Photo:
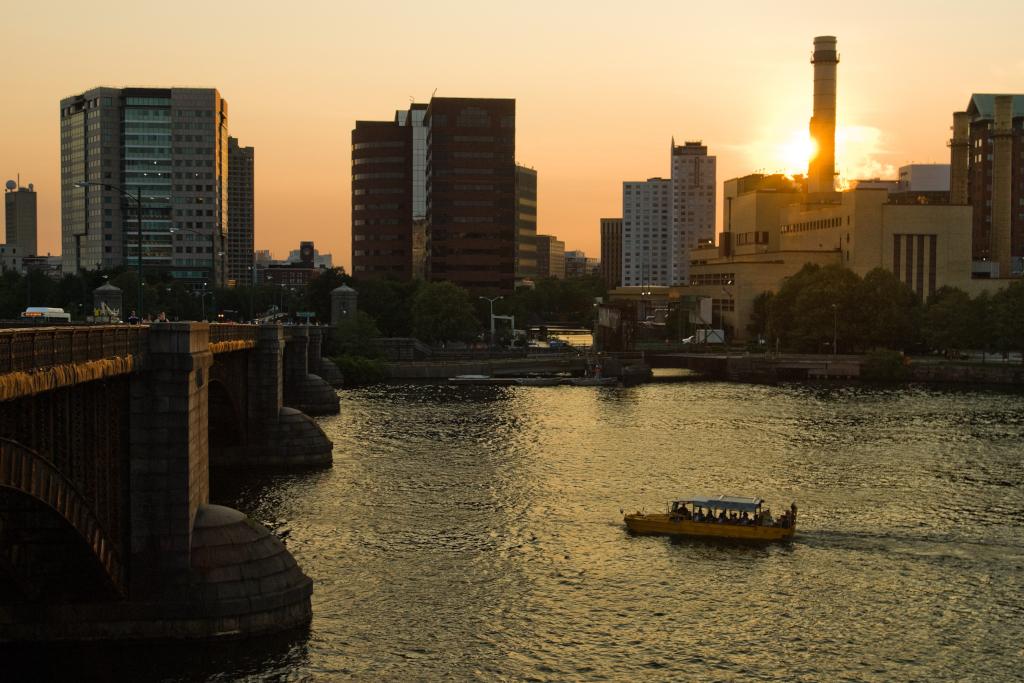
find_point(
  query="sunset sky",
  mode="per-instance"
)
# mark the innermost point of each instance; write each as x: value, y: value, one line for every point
x: 601, y: 88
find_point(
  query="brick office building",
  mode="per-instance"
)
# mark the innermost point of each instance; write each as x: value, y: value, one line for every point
x: 471, y: 192
x: 434, y: 194
x: 388, y: 194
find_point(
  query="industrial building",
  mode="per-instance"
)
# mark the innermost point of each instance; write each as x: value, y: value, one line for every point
x: 987, y: 172
x: 773, y: 225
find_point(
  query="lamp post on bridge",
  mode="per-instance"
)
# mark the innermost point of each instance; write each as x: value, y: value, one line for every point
x: 203, y: 296
x: 138, y: 205
x: 835, y: 330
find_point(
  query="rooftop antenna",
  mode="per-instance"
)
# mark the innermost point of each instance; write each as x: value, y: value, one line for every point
x: 433, y: 93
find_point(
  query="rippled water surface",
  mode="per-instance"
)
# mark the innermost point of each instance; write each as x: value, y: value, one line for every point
x: 475, y: 533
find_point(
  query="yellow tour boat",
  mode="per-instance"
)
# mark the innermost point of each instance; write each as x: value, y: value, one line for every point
x: 723, y: 517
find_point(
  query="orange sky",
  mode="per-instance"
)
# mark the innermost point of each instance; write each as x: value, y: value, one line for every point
x: 601, y: 87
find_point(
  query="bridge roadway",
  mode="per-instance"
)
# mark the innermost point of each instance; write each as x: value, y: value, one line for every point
x: 108, y: 435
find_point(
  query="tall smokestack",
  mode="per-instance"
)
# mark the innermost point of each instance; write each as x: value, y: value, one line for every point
x: 1002, y: 183
x: 959, y: 161
x: 822, y: 170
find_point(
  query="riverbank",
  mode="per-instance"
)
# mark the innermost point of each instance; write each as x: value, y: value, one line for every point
x: 885, y: 368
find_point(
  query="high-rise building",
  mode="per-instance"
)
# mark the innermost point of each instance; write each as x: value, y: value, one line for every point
x: 389, y: 160
x: 526, y: 223
x: 664, y: 220
x: 550, y: 257
x: 471, y: 199
x: 987, y: 172
x: 693, y: 205
x: 647, y: 233
x: 434, y: 194
x: 20, y: 217
x: 168, y: 145
x: 241, y: 214
x: 611, y: 252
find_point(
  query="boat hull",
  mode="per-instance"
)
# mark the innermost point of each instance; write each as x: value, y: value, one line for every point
x: 664, y: 525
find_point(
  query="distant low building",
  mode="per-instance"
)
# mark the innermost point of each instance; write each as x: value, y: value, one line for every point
x: 550, y: 257
x: 319, y: 260
x: 9, y: 258
x: 294, y: 273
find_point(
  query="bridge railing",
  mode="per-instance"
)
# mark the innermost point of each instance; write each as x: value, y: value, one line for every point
x: 41, y: 347
x: 222, y: 332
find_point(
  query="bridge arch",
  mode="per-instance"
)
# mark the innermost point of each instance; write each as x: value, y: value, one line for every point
x: 226, y: 423
x: 63, y: 533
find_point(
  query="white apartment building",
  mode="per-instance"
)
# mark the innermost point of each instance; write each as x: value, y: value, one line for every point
x: 664, y: 220
x: 647, y: 233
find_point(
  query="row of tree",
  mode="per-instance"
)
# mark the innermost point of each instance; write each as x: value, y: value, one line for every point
x: 819, y: 306
x: 163, y: 294
x: 443, y: 312
x: 433, y: 312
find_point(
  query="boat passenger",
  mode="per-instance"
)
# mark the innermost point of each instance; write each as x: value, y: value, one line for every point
x: 722, y: 517
x: 766, y: 518
x: 744, y: 518
x: 698, y: 515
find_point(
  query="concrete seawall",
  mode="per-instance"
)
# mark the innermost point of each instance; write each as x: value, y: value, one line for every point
x: 427, y: 370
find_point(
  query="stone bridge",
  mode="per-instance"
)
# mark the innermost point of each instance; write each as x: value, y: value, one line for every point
x: 107, y: 439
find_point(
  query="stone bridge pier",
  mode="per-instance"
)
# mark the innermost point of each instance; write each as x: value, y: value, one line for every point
x: 302, y: 389
x: 270, y: 396
x: 107, y: 436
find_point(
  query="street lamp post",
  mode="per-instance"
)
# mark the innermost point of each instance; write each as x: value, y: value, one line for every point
x: 835, y: 329
x: 138, y: 206
x: 203, y: 299
x: 721, y: 314
x: 491, y: 302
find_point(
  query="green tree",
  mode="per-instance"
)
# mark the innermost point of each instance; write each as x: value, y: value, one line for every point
x: 317, y: 295
x: 1007, y: 318
x: 887, y: 311
x: 355, y: 337
x: 949, y: 320
x: 822, y: 305
x: 390, y: 304
x: 760, y: 315
x: 442, y: 312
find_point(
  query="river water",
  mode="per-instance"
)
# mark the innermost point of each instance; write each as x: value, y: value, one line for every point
x: 474, y: 533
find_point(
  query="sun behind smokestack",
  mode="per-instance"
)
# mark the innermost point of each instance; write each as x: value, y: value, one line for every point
x: 821, y: 172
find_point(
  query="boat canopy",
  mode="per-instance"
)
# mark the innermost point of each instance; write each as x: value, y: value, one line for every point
x: 724, y: 502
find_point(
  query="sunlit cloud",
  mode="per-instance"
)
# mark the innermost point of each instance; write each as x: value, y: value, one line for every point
x: 859, y: 153
x: 859, y: 150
